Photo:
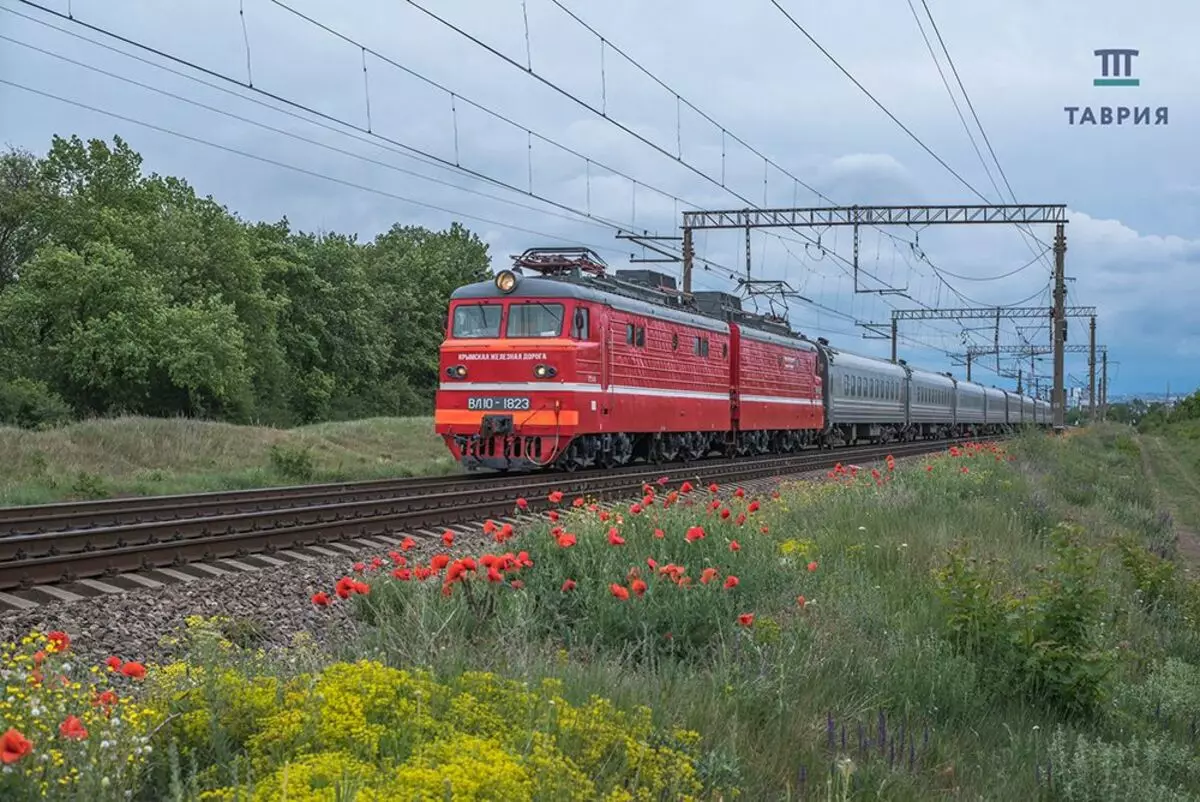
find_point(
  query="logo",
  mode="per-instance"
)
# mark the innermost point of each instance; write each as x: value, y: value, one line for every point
x: 1116, y: 69
x: 1117, y: 63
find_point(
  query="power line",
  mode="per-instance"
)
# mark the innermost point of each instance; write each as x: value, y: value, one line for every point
x: 284, y: 165
x: 875, y: 100
x: 436, y: 159
x: 602, y: 113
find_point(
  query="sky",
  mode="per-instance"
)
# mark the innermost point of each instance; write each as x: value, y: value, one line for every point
x: 515, y: 119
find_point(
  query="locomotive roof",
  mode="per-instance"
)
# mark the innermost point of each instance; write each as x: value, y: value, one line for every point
x: 537, y: 287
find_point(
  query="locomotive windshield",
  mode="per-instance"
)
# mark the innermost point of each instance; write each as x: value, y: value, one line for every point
x: 535, y: 320
x: 477, y: 320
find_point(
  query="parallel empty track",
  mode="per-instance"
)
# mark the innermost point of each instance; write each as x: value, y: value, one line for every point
x: 65, y: 542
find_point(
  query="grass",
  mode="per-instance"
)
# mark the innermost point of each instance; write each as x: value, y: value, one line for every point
x: 1173, y: 456
x: 153, y: 456
x: 1004, y: 624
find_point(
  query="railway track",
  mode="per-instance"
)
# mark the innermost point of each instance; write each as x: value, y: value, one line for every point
x: 53, y: 547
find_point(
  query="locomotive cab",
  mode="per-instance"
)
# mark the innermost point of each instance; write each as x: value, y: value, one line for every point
x: 518, y: 357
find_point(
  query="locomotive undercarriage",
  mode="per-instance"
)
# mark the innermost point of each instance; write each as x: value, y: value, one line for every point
x: 614, y: 450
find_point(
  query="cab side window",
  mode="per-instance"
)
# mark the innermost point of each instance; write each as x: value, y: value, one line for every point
x: 581, y: 323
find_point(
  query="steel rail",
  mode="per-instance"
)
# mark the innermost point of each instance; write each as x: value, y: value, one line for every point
x: 48, y: 558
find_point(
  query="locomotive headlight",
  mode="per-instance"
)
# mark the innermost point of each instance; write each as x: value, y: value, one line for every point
x: 506, y: 281
x: 457, y: 371
x: 544, y: 371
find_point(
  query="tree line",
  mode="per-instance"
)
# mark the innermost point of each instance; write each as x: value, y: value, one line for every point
x: 122, y: 292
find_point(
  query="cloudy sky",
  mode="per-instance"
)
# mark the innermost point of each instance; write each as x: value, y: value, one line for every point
x: 524, y: 127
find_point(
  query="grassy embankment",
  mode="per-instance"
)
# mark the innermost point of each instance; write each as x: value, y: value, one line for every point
x: 153, y: 456
x: 986, y: 628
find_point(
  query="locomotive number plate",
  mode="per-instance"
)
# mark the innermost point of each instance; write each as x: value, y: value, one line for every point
x: 491, y: 404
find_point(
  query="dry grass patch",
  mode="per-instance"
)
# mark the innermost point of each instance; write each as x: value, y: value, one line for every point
x: 137, y: 456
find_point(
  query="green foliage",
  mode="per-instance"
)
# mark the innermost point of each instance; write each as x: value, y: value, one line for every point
x: 1087, y: 769
x: 31, y: 404
x: 1042, y: 642
x: 126, y: 293
x: 293, y: 462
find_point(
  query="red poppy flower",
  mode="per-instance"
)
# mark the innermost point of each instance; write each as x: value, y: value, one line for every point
x: 746, y: 619
x: 734, y: 546
x: 801, y: 601
x: 725, y: 513
x: 660, y: 534
x: 403, y: 574
x: 494, y: 576
x: 321, y: 599
x: 764, y: 529
x: 686, y: 487
x: 731, y: 581
x: 708, y: 575
x: 39, y: 657
x: 639, y: 587
x: 652, y: 563
x: 568, y: 585
x: 812, y: 566
x: 614, y: 537
x: 114, y: 663
x: 555, y: 496
x: 14, y: 746
x: 396, y: 557
x: 422, y: 573
x: 344, y: 588
x: 694, y: 533
x: 376, y: 563
x: 72, y: 728
x: 59, y: 641
x: 740, y: 493
x: 753, y: 506
x: 439, y: 562
x: 522, y: 504
x: 360, y: 567
x: 635, y: 508
x: 362, y: 588
x: 407, y: 544
x: 504, y: 534
x: 448, y: 538
x: 619, y: 591
x: 106, y: 699
x: 134, y: 670
x: 566, y: 540
x: 553, y: 515
x: 741, y: 519
x: 712, y: 488
x: 603, y: 515
x: 468, y: 563
x: 578, y: 502
x: 489, y: 526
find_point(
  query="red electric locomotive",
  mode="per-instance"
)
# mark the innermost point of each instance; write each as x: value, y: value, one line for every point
x: 573, y: 367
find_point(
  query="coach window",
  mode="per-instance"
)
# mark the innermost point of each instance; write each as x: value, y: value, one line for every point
x: 724, y: 350
x: 535, y: 320
x: 701, y: 346
x: 629, y: 334
x: 674, y: 341
x: 641, y: 337
x: 581, y: 323
x: 477, y: 320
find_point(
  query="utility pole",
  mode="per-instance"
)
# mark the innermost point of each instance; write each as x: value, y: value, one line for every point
x: 1092, y: 400
x: 968, y: 359
x: 894, y: 322
x: 1104, y: 385
x: 688, y: 253
x: 1059, y: 329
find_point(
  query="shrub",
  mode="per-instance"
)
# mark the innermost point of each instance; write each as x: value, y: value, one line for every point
x: 31, y: 404
x: 293, y: 462
x: 1043, y: 642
